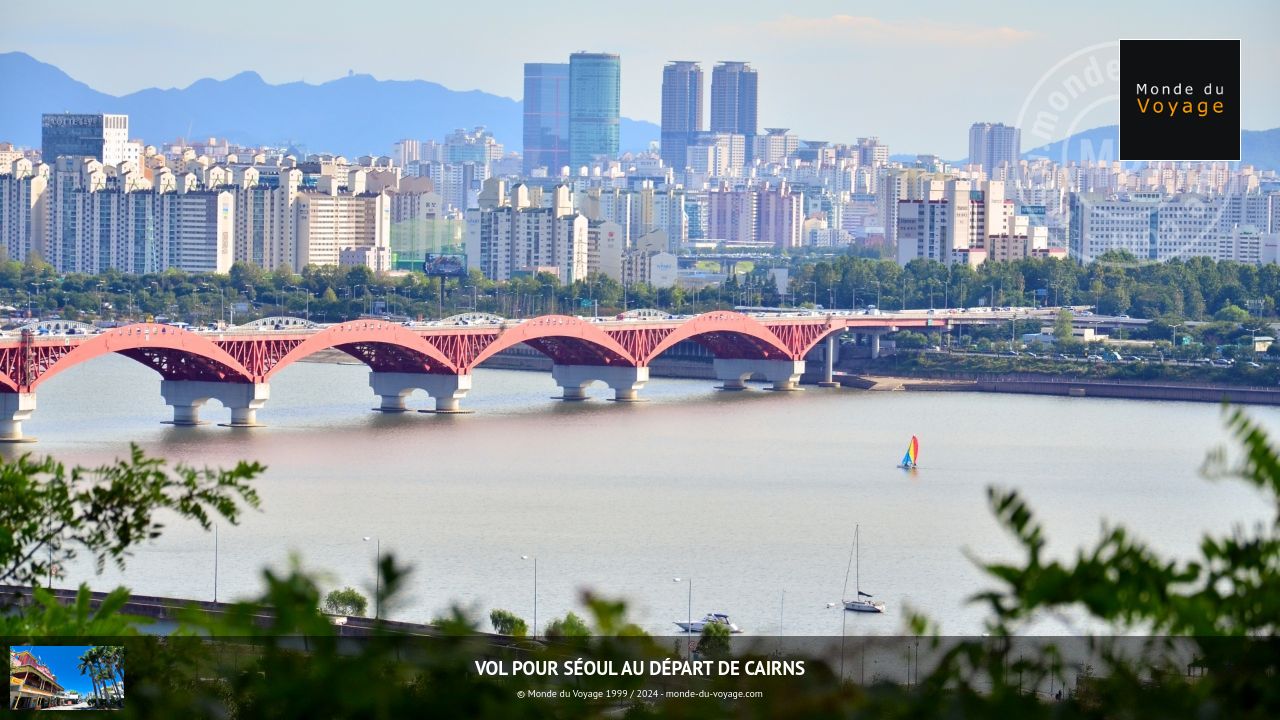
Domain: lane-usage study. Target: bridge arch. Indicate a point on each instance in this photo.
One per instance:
(58, 327)
(279, 322)
(646, 314)
(728, 335)
(566, 340)
(175, 353)
(382, 345)
(474, 318)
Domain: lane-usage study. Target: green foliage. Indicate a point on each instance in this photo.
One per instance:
(46, 616)
(347, 601)
(958, 365)
(714, 641)
(910, 340)
(1195, 289)
(50, 515)
(506, 622)
(1063, 326)
(279, 656)
(1232, 314)
(570, 626)
(458, 621)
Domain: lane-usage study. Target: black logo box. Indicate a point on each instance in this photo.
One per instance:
(1185, 65)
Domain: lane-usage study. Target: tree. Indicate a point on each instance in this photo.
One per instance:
(1114, 300)
(86, 667)
(1063, 325)
(347, 601)
(571, 626)
(1232, 314)
(714, 641)
(49, 514)
(506, 622)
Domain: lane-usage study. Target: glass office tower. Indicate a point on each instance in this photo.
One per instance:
(595, 81)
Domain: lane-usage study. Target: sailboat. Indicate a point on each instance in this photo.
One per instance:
(858, 603)
(913, 452)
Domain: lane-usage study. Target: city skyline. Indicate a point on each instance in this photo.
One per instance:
(815, 61)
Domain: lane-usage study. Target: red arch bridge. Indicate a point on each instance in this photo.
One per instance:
(235, 365)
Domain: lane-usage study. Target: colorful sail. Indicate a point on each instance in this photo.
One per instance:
(913, 452)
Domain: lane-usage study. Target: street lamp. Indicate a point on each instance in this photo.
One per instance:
(215, 562)
(535, 592)
(377, 588)
(688, 627)
(37, 287)
(815, 293)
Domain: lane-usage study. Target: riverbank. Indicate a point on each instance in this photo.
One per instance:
(881, 376)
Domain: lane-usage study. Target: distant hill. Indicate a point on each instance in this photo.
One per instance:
(353, 115)
(1259, 148)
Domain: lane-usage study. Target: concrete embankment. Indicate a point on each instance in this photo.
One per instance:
(867, 379)
(1109, 389)
(164, 613)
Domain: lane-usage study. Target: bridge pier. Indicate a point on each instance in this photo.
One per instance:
(394, 388)
(626, 381)
(188, 396)
(829, 362)
(14, 409)
(734, 372)
(875, 345)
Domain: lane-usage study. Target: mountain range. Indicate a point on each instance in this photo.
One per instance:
(1259, 148)
(353, 115)
(345, 115)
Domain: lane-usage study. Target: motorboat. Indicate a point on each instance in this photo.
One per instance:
(709, 619)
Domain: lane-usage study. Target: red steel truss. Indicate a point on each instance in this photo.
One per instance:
(254, 355)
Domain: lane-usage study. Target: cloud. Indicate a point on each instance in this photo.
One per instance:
(871, 30)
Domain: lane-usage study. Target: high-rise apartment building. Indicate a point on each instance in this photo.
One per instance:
(477, 146)
(734, 102)
(1159, 226)
(104, 138)
(508, 233)
(329, 222)
(717, 155)
(546, 117)
(595, 82)
(766, 214)
(407, 151)
(957, 221)
(681, 110)
(22, 209)
(775, 146)
(994, 145)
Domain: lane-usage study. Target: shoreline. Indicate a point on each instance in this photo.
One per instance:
(1022, 384)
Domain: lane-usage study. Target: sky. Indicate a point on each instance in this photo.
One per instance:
(915, 74)
(63, 661)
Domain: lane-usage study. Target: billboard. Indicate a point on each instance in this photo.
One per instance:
(445, 265)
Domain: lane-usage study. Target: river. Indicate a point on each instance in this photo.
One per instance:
(754, 496)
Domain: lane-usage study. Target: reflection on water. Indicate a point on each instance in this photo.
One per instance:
(749, 494)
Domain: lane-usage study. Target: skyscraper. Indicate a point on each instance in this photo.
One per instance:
(595, 81)
(546, 116)
(101, 137)
(734, 88)
(991, 145)
(681, 110)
